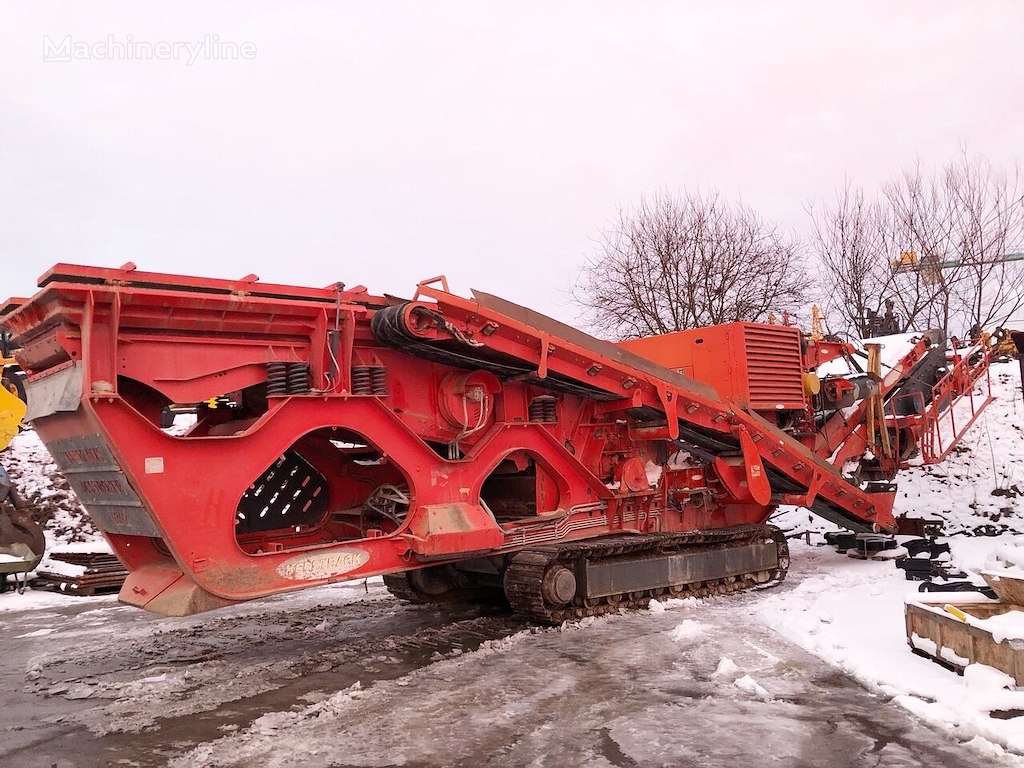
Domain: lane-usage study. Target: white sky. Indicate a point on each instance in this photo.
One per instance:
(383, 143)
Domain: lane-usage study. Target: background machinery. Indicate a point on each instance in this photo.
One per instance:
(1002, 344)
(458, 446)
(21, 538)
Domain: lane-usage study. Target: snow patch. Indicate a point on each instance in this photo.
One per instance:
(656, 606)
(688, 630)
(1003, 626)
(751, 686)
(38, 633)
(726, 668)
(660, 606)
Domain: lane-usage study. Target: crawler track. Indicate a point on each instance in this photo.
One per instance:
(525, 575)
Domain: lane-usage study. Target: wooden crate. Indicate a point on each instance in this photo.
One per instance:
(934, 633)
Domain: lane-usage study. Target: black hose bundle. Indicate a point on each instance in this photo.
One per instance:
(389, 327)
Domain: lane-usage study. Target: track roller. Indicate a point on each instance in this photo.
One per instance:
(440, 584)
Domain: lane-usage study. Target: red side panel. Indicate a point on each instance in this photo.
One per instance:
(753, 365)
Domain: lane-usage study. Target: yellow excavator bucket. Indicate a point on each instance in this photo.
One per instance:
(12, 409)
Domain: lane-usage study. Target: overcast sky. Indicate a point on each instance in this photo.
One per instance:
(383, 143)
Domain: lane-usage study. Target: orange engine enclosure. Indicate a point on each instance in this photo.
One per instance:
(754, 365)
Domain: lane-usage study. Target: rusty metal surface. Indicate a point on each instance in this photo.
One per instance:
(101, 486)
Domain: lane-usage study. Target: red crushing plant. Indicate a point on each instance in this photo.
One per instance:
(456, 446)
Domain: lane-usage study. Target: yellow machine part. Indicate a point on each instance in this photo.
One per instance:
(1000, 344)
(812, 384)
(12, 410)
(1006, 347)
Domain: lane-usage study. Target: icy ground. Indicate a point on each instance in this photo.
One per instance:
(341, 676)
(813, 672)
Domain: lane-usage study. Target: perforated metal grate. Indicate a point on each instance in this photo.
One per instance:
(288, 494)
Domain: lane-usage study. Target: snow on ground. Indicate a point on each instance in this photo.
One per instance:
(185, 666)
(850, 613)
(36, 599)
(981, 553)
(619, 690)
(980, 485)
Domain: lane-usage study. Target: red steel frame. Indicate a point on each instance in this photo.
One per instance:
(968, 372)
(125, 343)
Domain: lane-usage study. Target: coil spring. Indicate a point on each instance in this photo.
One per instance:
(298, 379)
(379, 380)
(362, 380)
(369, 380)
(277, 379)
(544, 409)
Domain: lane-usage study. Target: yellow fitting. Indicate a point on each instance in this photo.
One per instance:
(812, 384)
(955, 612)
(817, 323)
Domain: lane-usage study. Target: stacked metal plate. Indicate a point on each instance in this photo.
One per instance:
(81, 573)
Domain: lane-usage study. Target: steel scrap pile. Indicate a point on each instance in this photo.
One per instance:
(81, 573)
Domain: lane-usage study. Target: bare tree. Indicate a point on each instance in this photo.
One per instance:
(932, 244)
(853, 238)
(686, 261)
(920, 209)
(986, 210)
